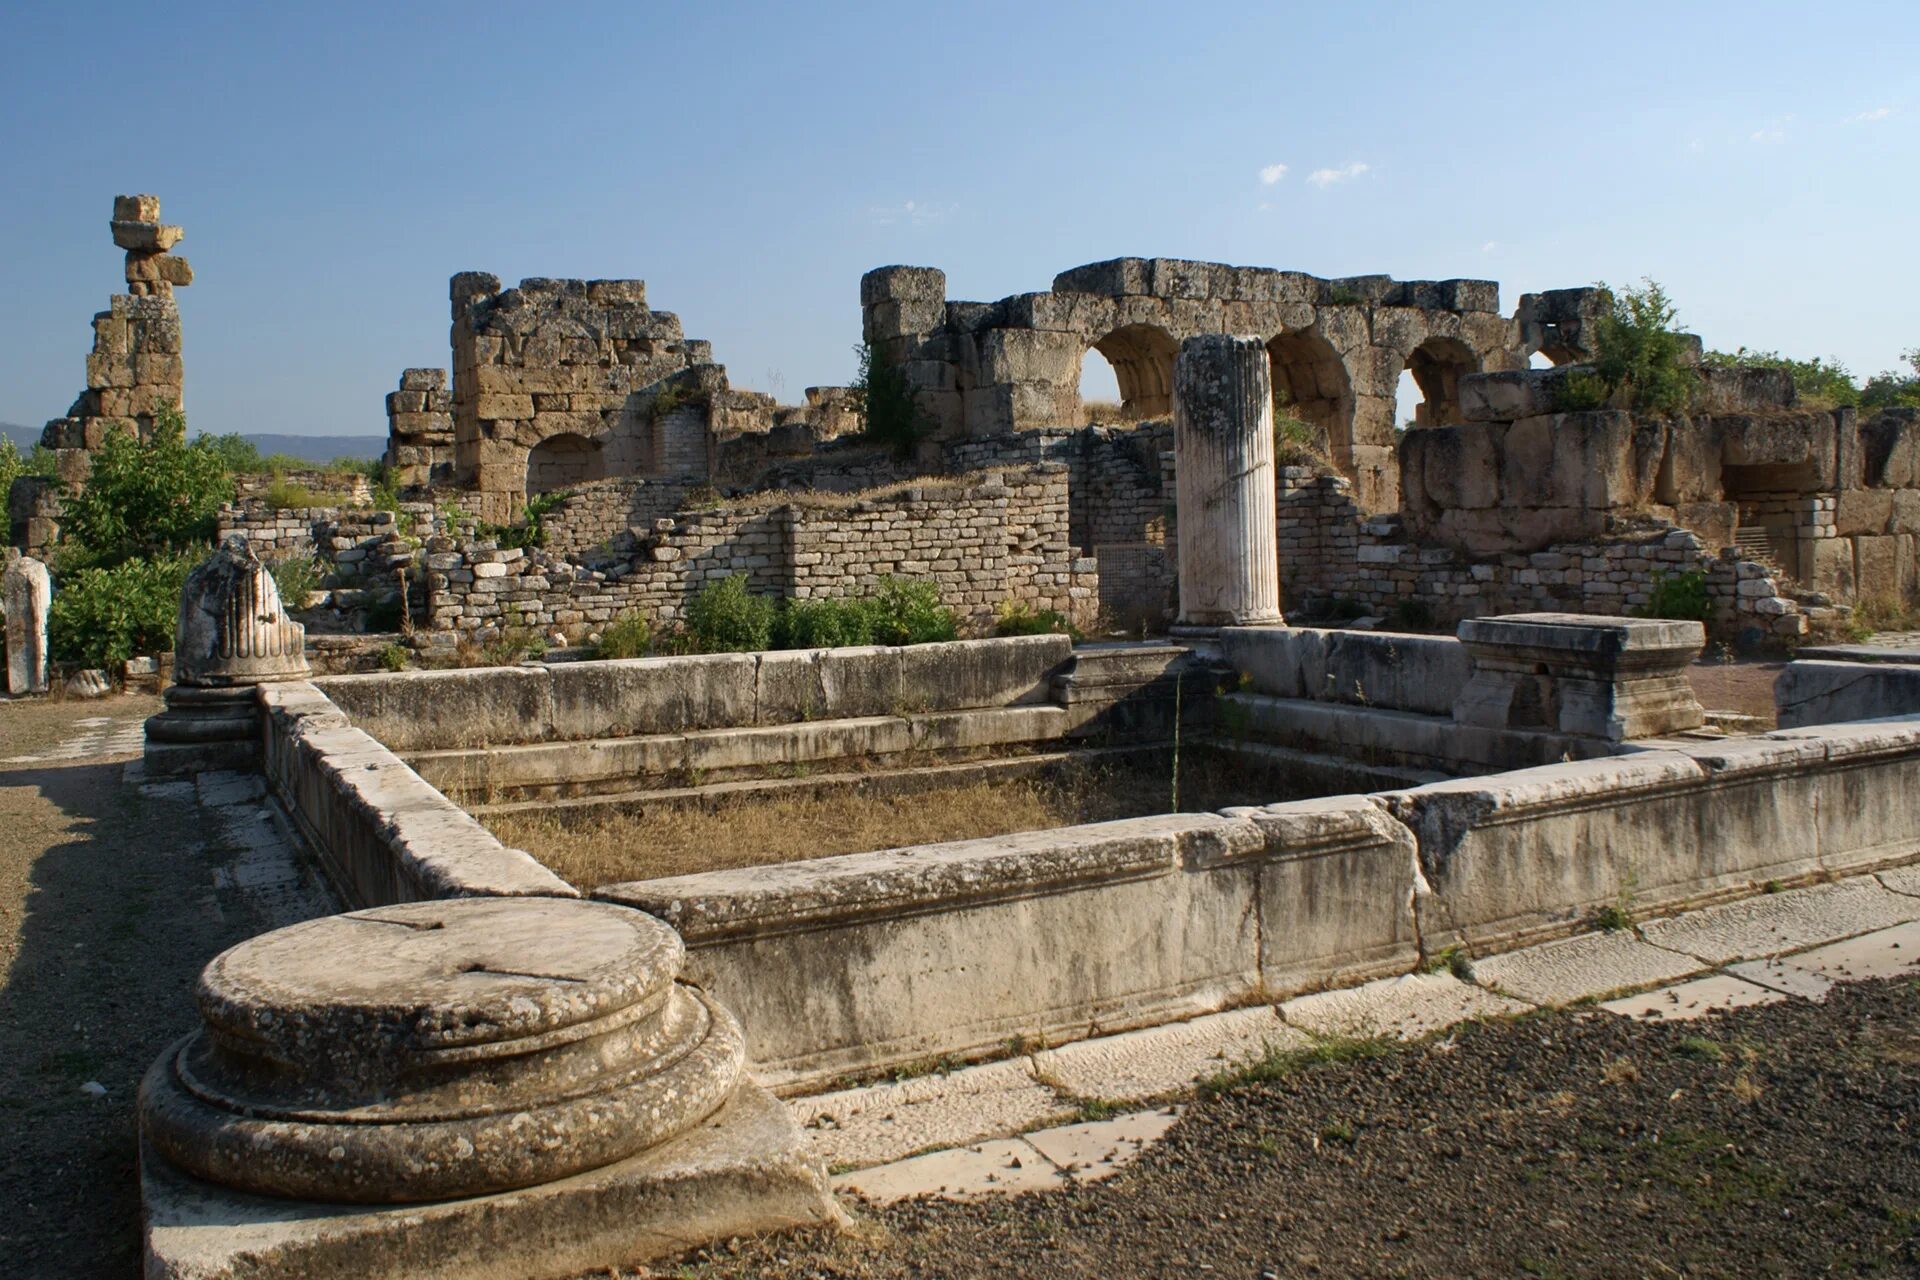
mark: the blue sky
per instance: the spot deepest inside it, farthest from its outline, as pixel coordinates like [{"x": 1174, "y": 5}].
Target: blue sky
[{"x": 334, "y": 165}]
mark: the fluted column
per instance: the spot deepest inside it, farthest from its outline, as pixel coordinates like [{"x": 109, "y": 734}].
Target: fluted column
[{"x": 1223, "y": 467}]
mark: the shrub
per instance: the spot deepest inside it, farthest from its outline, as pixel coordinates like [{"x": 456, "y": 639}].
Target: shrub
[
  {"x": 890, "y": 409},
  {"x": 236, "y": 453},
  {"x": 1410, "y": 614},
  {"x": 907, "y": 611},
  {"x": 513, "y": 644},
  {"x": 1681, "y": 596},
  {"x": 13, "y": 465},
  {"x": 103, "y": 616},
  {"x": 1637, "y": 349},
  {"x": 1823, "y": 384},
  {"x": 297, "y": 578},
  {"x": 394, "y": 656},
  {"x": 1580, "y": 391},
  {"x": 726, "y": 618},
  {"x": 1890, "y": 389},
  {"x": 284, "y": 494},
  {"x": 529, "y": 530},
  {"x": 158, "y": 497},
  {"x": 823, "y": 624},
  {"x": 627, "y": 636},
  {"x": 1024, "y": 620}
]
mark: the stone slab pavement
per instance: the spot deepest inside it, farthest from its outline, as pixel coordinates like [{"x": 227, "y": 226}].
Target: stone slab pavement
[{"x": 1027, "y": 1123}]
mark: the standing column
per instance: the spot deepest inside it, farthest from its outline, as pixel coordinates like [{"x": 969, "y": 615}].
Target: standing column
[
  {"x": 28, "y": 593},
  {"x": 1224, "y": 478}
]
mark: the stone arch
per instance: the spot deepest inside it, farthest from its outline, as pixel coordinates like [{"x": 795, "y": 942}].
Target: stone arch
[
  {"x": 1437, "y": 366},
  {"x": 1310, "y": 383},
  {"x": 1142, "y": 359},
  {"x": 563, "y": 460}
]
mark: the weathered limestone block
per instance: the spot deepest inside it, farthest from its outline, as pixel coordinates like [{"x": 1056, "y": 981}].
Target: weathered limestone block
[
  {"x": 498, "y": 1046},
  {"x": 146, "y": 237},
  {"x": 157, "y": 268},
  {"x": 1598, "y": 677},
  {"x": 28, "y": 595},
  {"x": 1223, "y": 442}
]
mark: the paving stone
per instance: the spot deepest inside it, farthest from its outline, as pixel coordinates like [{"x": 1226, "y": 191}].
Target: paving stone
[
  {"x": 1001, "y": 1167},
  {"x": 1165, "y": 1059},
  {"x": 1888, "y": 953},
  {"x": 1902, "y": 879},
  {"x": 1101, "y": 1148},
  {"x": 1409, "y": 1006},
  {"x": 860, "y": 1128},
  {"x": 1688, "y": 1000},
  {"x": 1774, "y": 923},
  {"x": 229, "y": 788},
  {"x": 1591, "y": 964},
  {"x": 1783, "y": 975}
]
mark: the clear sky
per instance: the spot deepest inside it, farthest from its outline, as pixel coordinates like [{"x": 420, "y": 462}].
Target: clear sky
[{"x": 334, "y": 164}]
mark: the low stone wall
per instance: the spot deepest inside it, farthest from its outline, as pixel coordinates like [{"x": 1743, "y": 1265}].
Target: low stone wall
[
  {"x": 496, "y": 706},
  {"x": 868, "y": 959},
  {"x": 1815, "y": 691},
  {"x": 383, "y": 835},
  {"x": 883, "y": 958},
  {"x": 1400, "y": 671}
]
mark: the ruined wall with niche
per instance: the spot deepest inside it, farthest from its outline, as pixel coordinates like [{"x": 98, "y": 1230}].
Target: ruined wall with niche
[{"x": 1338, "y": 346}]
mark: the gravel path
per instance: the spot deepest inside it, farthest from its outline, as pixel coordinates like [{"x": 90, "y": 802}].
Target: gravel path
[
  {"x": 108, "y": 911},
  {"x": 1774, "y": 1141}
]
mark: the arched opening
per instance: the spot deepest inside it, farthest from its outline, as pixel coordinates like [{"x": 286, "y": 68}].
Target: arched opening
[
  {"x": 1539, "y": 360},
  {"x": 1100, "y": 403},
  {"x": 563, "y": 460},
  {"x": 1435, "y": 367},
  {"x": 1142, "y": 360},
  {"x": 1312, "y": 396}
]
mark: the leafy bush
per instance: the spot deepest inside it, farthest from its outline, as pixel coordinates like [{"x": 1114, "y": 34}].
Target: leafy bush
[
  {"x": 1580, "y": 391},
  {"x": 103, "y": 616},
  {"x": 1024, "y": 620},
  {"x": 394, "y": 656},
  {"x": 823, "y": 624},
  {"x": 1681, "y": 596},
  {"x": 236, "y": 453},
  {"x": 889, "y": 407},
  {"x": 627, "y": 636},
  {"x": 908, "y": 611},
  {"x": 726, "y": 618},
  {"x": 154, "y": 498},
  {"x": 1891, "y": 389},
  {"x": 297, "y": 578},
  {"x": 1637, "y": 348},
  {"x": 13, "y": 465},
  {"x": 528, "y": 531}
]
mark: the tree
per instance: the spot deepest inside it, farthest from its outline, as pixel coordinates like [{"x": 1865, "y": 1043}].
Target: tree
[
  {"x": 145, "y": 498},
  {"x": 889, "y": 406},
  {"x": 1637, "y": 349}
]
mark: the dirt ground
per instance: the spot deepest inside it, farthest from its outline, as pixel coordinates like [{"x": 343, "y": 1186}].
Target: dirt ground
[
  {"x": 1742, "y": 687},
  {"x": 1774, "y": 1141},
  {"x": 644, "y": 841},
  {"x": 107, "y": 914}
]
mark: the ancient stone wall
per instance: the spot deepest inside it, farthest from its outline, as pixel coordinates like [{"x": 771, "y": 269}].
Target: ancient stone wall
[
  {"x": 1337, "y": 347},
  {"x": 983, "y": 539},
  {"x": 420, "y": 430}
]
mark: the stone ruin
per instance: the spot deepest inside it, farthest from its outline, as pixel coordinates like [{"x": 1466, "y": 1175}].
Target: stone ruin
[
  {"x": 26, "y": 592},
  {"x": 133, "y": 370}
]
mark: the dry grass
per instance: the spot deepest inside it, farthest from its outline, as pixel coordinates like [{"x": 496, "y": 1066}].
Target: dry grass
[
  {"x": 930, "y": 487},
  {"x": 1885, "y": 612},
  {"x": 1105, "y": 413},
  {"x": 645, "y": 842}
]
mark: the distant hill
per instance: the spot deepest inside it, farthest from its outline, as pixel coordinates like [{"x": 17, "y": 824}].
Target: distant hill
[{"x": 314, "y": 449}]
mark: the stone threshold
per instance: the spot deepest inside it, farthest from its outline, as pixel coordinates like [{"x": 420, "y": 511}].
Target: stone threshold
[{"x": 997, "y": 1128}]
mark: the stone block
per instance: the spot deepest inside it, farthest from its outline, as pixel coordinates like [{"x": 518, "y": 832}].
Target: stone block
[
  {"x": 1116, "y": 277},
  {"x": 146, "y": 237},
  {"x": 142, "y": 208},
  {"x": 1609, "y": 678},
  {"x": 423, "y": 380},
  {"x": 424, "y": 710},
  {"x": 629, "y": 697},
  {"x": 903, "y": 284},
  {"x": 161, "y": 268},
  {"x": 27, "y": 591}
]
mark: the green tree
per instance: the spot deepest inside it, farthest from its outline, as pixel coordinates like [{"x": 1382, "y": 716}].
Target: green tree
[
  {"x": 103, "y": 616},
  {"x": 1821, "y": 383},
  {"x": 1637, "y": 349},
  {"x": 1893, "y": 389},
  {"x": 145, "y": 498}
]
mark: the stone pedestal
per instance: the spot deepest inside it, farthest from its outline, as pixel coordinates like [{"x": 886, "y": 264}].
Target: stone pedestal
[
  {"x": 28, "y": 594},
  {"x": 524, "y": 1075},
  {"x": 231, "y": 634},
  {"x": 1595, "y": 676},
  {"x": 1223, "y": 466}
]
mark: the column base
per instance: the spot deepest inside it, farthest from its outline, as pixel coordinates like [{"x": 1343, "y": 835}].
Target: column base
[
  {"x": 745, "y": 1169},
  {"x": 203, "y": 730}
]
